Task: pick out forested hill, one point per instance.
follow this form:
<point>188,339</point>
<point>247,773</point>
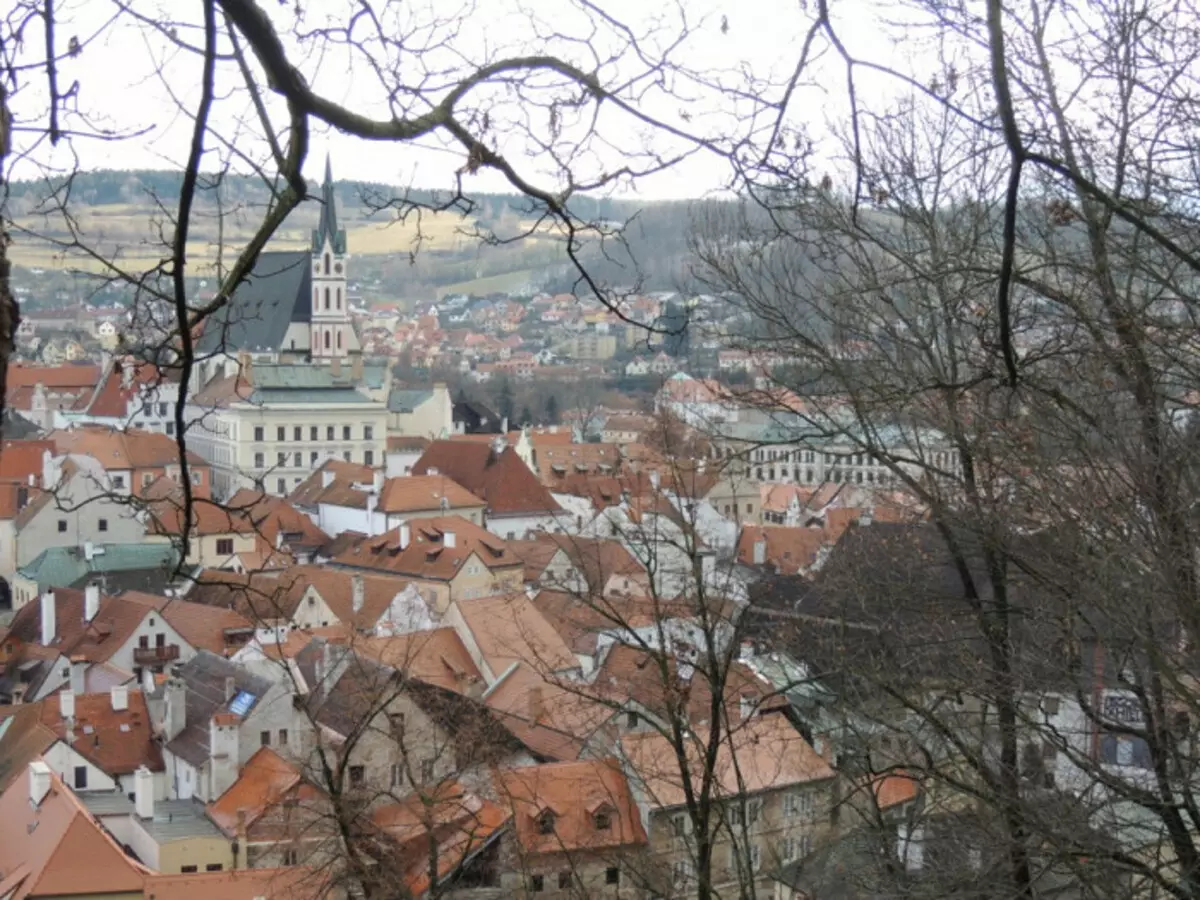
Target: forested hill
<point>110,187</point>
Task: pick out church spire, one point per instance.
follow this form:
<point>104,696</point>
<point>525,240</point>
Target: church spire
<point>327,227</point>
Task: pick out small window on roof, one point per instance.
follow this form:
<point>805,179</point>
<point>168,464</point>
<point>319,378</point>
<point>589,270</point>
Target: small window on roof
<point>602,819</point>
<point>545,822</point>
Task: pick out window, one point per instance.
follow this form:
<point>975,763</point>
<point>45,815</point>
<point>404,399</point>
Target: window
<point>755,857</point>
<point>327,340</point>
<point>681,872</point>
<point>102,524</point>
<point>283,737</point>
<point>281,459</point>
<point>612,875</point>
<point>345,432</point>
<point>797,847</point>
<point>187,869</point>
<point>564,880</point>
<point>339,298</point>
<point>346,454</point>
<point>297,459</point>
<point>749,508</point>
<point>225,546</point>
<point>397,774</point>
<point>280,433</point>
<point>545,822</point>
<point>357,776</point>
<point>162,410</point>
<point>118,481</point>
<point>265,738</point>
<point>397,721</point>
<point>312,433</point>
<point>679,823</point>
<point>81,776</point>
<point>798,805</point>
<point>602,820</point>
<point>258,432</point>
<point>329,432</point>
<point>170,428</point>
<point>327,298</point>
<point>147,478</point>
<point>197,476</point>
<point>339,339</point>
<point>1050,705</point>
<point>537,883</point>
<point>369,457</point>
<point>289,858</point>
<point>144,642</point>
<point>62,526</point>
<point>368,432</point>
<point>260,460</point>
<point>312,458</point>
<point>281,485</point>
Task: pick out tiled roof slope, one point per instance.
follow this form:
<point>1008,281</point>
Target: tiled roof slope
<point>204,679</point>
<point>427,555</point>
<point>275,293</point>
<point>502,481</point>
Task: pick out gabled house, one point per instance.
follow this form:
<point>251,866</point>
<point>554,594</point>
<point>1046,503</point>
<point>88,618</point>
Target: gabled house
<point>50,847</point>
<point>517,502</point>
<point>447,558</point>
<point>131,460</point>
<point>576,830</point>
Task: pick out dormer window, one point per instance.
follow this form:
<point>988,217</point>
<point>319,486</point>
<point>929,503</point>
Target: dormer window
<point>545,822</point>
<point>602,820</point>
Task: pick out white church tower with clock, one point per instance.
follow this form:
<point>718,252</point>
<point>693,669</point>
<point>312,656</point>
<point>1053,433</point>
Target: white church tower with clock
<point>331,334</point>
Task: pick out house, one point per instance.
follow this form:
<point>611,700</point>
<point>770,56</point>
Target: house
<point>463,828</point>
<point>93,741</point>
<point>786,550</point>
<point>517,502</point>
<point>213,716</point>
<point>120,567</point>
<point>554,461</point>
<point>131,460</point>
<point>403,453</point>
<point>771,792</point>
<point>51,847</point>
<point>577,831</point>
<point>131,393</point>
<point>281,528</point>
<point>472,417</point>
<point>39,392</point>
<point>420,412</point>
<point>447,558</point>
<point>218,535</point>
<point>379,504</point>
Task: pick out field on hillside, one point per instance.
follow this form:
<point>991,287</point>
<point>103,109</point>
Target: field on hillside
<point>135,234</point>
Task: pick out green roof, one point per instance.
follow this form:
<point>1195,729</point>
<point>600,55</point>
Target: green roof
<point>310,395</point>
<point>61,567</point>
<point>405,401</point>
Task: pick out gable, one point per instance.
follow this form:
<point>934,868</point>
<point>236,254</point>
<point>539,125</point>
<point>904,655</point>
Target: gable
<point>312,611</point>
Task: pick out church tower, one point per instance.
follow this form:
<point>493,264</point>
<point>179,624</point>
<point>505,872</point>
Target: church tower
<point>332,335</point>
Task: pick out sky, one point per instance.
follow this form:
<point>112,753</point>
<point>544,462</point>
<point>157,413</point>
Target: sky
<point>130,79</point>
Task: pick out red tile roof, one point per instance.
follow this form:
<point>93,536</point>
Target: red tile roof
<point>115,741</point>
<point>436,657</point>
<point>20,459</point>
<point>427,556</point>
<point>113,449</point>
<point>112,397</point>
<point>502,481</point>
<point>509,629</point>
<point>786,549</point>
<point>265,781</point>
<point>588,805</point>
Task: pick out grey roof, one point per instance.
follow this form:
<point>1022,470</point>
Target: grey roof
<point>204,675</point>
<point>311,395</point>
<point>402,400</point>
<point>106,803</point>
<point>176,820</point>
<point>277,292</point>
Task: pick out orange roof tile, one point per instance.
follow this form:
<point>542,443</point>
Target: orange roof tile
<point>762,753</point>
<point>202,626</point>
<point>41,847</point>
<point>130,449</point>
<point>115,741</point>
<point>588,803</point>
<point>292,883</point>
<point>20,459</point>
<point>113,395</point>
<point>436,657</point>
<point>264,782</point>
<point>420,493</point>
<point>508,628</point>
<point>427,556</point>
<point>551,720</point>
<point>502,481</point>
<point>787,550</point>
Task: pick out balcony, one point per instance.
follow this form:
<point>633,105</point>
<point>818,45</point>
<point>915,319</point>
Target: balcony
<point>155,656</point>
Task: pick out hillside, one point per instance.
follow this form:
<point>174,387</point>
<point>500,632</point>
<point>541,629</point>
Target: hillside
<point>124,215</point>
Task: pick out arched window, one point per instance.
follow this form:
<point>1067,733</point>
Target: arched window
<point>327,340</point>
<point>326,263</point>
<point>339,298</point>
<point>339,339</point>
<point>327,298</point>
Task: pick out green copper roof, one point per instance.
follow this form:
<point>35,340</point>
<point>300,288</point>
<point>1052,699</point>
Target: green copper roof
<point>66,566</point>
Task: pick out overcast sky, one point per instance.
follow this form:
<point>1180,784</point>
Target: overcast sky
<point>131,80</point>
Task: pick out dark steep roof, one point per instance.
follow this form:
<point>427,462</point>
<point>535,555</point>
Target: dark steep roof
<point>277,292</point>
<point>328,224</point>
<point>204,676</point>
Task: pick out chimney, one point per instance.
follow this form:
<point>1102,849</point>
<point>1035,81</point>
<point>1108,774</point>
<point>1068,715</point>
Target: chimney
<point>120,697</point>
<point>79,676</point>
<point>143,793</point>
<point>66,704</point>
<point>405,535</point>
<point>356,592</point>
<point>223,752</point>
<point>335,367</point>
<point>867,516</point>
<point>91,602</point>
<point>49,627</point>
<point>39,782</point>
<point>654,479</point>
<point>176,715</point>
<point>449,540</point>
<point>89,550</point>
<point>356,367</point>
<point>760,551</point>
<point>377,481</point>
<point>537,707</point>
<point>504,425</point>
<point>326,477</point>
<point>230,687</point>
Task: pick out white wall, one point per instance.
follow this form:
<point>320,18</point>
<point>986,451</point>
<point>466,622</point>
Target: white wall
<point>63,759</point>
<point>516,527</point>
<point>152,625</point>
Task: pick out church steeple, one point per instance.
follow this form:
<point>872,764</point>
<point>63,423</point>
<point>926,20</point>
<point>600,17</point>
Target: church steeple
<point>327,227</point>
